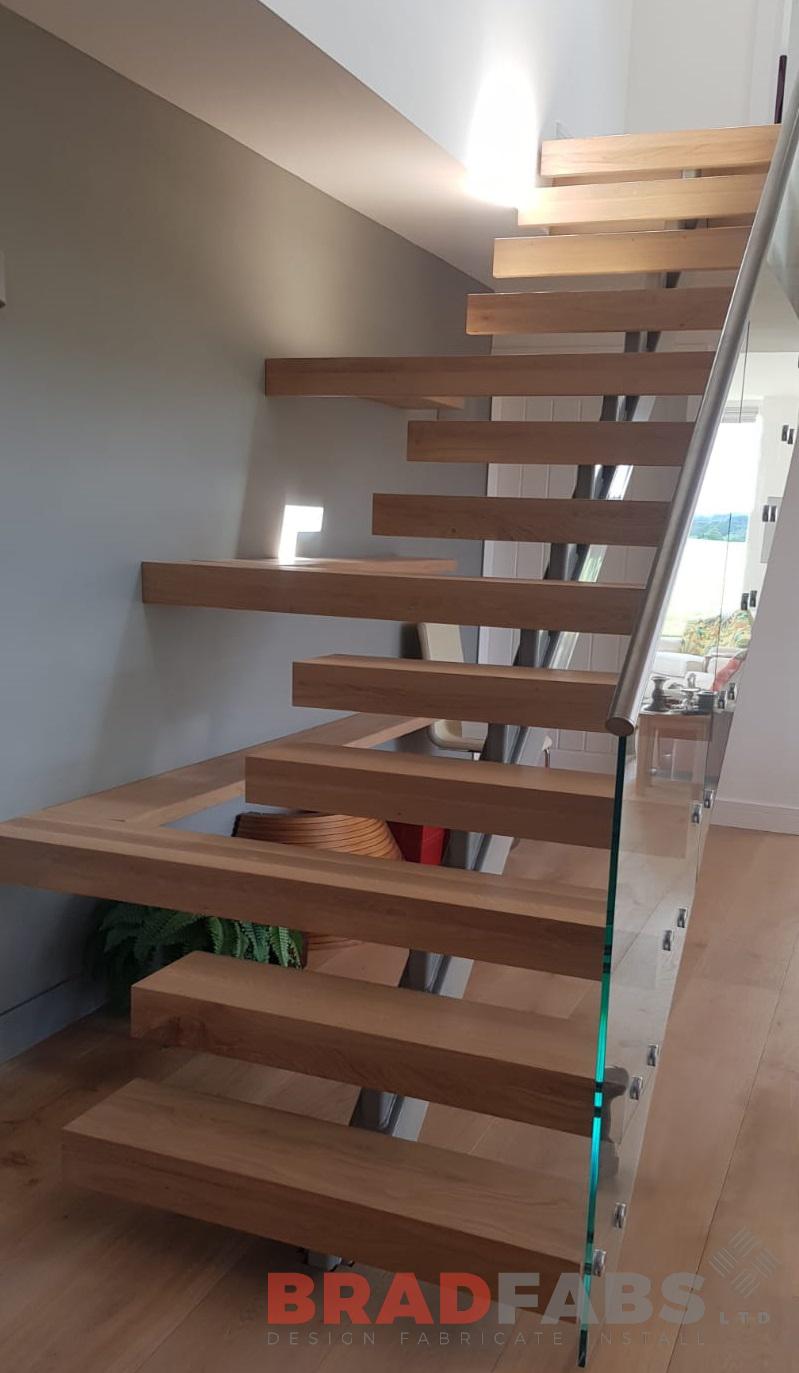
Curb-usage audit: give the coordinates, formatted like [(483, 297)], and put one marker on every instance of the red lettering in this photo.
[(289, 1298), (478, 1290), (404, 1298), (345, 1294)]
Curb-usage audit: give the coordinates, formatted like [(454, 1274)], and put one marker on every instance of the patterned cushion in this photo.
[(705, 636)]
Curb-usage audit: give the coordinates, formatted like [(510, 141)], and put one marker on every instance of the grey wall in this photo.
[(151, 265)]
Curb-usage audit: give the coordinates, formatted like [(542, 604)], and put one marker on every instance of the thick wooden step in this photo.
[(657, 443), (325, 1187), (571, 312), (565, 374), (400, 905), (634, 524), (512, 1064), (664, 250), (493, 798), (505, 602), (458, 691), (693, 150), (704, 197)]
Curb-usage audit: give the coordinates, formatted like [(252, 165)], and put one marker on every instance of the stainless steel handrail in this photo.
[(635, 672)]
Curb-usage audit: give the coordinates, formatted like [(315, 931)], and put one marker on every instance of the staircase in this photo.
[(627, 209)]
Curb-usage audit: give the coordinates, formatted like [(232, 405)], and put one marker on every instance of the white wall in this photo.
[(704, 63), (151, 265), (760, 779), (431, 58)]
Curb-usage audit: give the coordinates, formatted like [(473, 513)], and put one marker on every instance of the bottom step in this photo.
[(397, 1205)]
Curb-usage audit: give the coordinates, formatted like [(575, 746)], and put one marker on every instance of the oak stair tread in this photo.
[(616, 311), (398, 1205), (462, 691), (556, 805), (420, 402), (512, 1064), (631, 252), (520, 519), (705, 197), (601, 608), (532, 925), (656, 443), (562, 374), (688, 150), (172, 795)]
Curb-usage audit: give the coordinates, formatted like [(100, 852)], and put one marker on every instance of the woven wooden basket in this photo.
[(343, 833)]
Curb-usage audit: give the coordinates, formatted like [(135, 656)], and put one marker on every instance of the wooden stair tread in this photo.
[(690, 150), (704, 197), (657, 443), (532, 925), (459, 691), (564, 374), (383, 1201), (558, 805), (512, 1064), (370, 565), (617, 311), (633, 524), (605, 608), (663, 250), (420, 402), (172, 795)]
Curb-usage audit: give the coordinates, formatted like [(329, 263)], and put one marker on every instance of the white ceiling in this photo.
[(239, 67)]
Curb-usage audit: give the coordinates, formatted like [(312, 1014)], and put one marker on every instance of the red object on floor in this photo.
[(420, 843)]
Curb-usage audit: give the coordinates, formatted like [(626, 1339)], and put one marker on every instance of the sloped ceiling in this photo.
[(237, 66)]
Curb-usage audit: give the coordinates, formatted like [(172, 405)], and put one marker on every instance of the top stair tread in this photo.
[(689, 150), (386, 1201)]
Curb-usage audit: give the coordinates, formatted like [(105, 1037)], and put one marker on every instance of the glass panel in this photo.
[(749, 470), (669, 770)]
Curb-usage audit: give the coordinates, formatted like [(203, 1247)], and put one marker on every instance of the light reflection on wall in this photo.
[(502, 156), (298, 519)]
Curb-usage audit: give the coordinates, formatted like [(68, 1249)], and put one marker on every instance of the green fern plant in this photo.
[(130, 941)]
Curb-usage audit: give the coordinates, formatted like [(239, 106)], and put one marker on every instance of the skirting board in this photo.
[(752, 815)]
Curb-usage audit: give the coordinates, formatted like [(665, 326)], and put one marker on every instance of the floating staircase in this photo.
[(364, 1193)]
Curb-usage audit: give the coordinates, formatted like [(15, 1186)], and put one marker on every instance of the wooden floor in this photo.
[(88, 1285)]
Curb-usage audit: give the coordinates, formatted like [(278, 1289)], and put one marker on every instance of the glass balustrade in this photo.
[(669, 770)]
